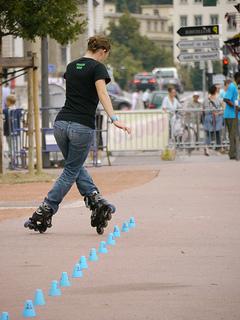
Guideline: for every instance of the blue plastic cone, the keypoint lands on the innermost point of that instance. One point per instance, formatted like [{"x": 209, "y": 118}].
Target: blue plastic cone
[
  {"x": 125, "y": 227},
  {"x": 64, "y": 281},
  {"x": 132, "y": 223},
  {"x": 93, "y": 255},
  {"x": 83, "y": 262},
  {"x": 55, "y": 290},
  {"x": 77, "y": 271},
  {"x": 116, "y": 232},
  {"x": 29, "y": 311},
  {"x": 102, "y": 247},
  {"x": 39, "y": 298},
  {"x": 4, "y": 316},
  {"x": 110, "y": 240}
]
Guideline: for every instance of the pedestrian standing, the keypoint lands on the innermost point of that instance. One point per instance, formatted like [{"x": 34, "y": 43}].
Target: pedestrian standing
[
  {"x": 192, "y": 113},
  {"x": 135, "y": 97},
  {"x": 8, "y": 124},
  {"x": 171, "y": 104},
  {"x": 86, "y": 80},
  {"x": 231, "y": 114},
  {"x": 145, "y": 98},
  {"x": 213, "y": 119}
]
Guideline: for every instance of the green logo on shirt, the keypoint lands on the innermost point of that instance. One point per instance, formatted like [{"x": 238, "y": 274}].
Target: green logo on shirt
[{"x": 80, "y": 66}]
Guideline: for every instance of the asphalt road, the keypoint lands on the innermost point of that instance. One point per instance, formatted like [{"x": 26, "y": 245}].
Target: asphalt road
[{"x": 181, "y": 262}]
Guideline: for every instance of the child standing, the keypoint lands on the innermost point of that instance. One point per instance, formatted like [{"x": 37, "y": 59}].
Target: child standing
[{"x": 7, "y": 125}]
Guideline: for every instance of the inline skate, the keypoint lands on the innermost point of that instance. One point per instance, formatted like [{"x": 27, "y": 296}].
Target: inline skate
[
  {"x": 41, "y": 219},
  {"x": 101, "y": 211}
]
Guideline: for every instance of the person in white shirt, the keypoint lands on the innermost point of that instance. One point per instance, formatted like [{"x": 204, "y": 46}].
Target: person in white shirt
[
  {"x": 135, "y": 96},
  {"x": 145, "y": 98},
  {"x": 170, "y": 102}
]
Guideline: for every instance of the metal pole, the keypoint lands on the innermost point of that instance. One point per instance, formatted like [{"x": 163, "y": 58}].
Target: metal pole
[
  {"x": 204, "y": 80},
  {"x": 30, "y": 122},
  {"x": 45, "y": 98},
  {"x": 1, "y": 117}
]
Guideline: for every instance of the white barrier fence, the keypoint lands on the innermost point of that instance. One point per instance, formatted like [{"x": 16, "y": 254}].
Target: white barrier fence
[{"x": 150, "y": 131}]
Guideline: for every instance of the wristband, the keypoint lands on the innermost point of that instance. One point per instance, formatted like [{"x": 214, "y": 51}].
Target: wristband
[{"x": 114, "y": 118}]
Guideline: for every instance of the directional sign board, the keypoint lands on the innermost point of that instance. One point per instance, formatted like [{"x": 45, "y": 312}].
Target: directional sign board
[
  {"x": 202, "y": 56},
  {"x": 199, "y": 30},
  {"x": 199, "y": 44}
]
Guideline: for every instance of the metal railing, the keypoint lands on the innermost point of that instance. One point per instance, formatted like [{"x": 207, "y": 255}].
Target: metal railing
[
  {"x": 196, "y": 128},
  {"x": 150, "y": 131}
]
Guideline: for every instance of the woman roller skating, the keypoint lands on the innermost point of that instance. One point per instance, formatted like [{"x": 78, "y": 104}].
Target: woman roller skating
[{"x": 86, "y": 80}]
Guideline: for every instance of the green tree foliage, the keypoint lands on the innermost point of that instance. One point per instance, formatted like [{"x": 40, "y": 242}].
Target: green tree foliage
[
  {"x": 124, "y": 64},
  {"x": 60, "y": 19},
  {"x": 142, "y": 50}
]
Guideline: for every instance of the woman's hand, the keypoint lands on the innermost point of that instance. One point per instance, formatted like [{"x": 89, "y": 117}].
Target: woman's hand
[{"x": 122, "y": 126}]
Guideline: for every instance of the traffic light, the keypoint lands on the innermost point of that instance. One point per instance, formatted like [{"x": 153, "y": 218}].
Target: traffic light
[{"x": 225, "y": 64}]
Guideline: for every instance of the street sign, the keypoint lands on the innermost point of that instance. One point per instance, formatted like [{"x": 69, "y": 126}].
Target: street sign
[
  {"x": 199, "y": 44},
  {"x": 199, "y": 30},
  {"x": 202, "y": 56}
]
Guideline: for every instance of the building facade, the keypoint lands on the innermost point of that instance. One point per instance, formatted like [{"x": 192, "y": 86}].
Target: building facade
[{"x": 155, "y": 22}]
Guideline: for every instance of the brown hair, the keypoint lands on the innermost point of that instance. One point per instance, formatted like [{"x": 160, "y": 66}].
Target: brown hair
[
  {"x": 212, "y": 90},
  {"x": 170, "y": 89},
  {"x": 98, "y": 42},
  {"x": 11, "y": 99}
]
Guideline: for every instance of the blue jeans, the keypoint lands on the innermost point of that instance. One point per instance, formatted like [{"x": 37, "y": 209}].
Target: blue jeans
[{"x": 74, "y": 141}]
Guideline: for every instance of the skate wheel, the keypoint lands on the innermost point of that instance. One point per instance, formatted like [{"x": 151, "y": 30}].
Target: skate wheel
[
  {"x": 105, "y": 224},
  {"x": 29, "y": 224},
  {"x": 26, "y": 224},
  {"x": 93, "y": 223},
  {"x": 100, "y": 230},
  {"x": 112, "y": 208},
  {"x": 109, "y": 216},
  {"x": 42, "y": 228}
]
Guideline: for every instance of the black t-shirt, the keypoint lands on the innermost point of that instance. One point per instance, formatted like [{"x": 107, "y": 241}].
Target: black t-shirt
[{"x": 81, "y": 94}]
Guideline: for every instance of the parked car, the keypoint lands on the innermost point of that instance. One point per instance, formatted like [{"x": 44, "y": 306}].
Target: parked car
[
  {"x": 114, "y": 88},
  {"x": 145, "y": 80},
  {"x": 156, "y": 99},
  {"x": 120, "y": 102}
]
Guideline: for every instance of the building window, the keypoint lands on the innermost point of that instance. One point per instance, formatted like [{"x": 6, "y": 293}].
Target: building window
[
  {"x": 231, "y": 22},
  {"x": 183, "y": 1},
  {"x": 213, "y": 19},
  {"x": 197, "y": 20},
  {"x": 183, "y": 21},
  {"x": 149, "y": 26},
  {"x": 197, "y": 1},
  {"x": 156, "y": 12},
  {"x": 155, "y": 26},
  {"x": 162, "y": 26}
]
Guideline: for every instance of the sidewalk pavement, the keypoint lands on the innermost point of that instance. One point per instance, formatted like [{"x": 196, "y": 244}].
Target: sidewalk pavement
[{"x": 181, "y": 262}]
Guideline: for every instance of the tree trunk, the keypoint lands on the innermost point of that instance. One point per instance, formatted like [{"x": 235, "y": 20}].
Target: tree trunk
[
  {"x": 1, "y": 116},
  {"x": 45, "y": 99}
]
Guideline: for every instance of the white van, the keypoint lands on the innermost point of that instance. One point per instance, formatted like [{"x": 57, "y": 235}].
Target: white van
[
  {"x": 168, "y": 77},
  {"x": 170, "y": 73}
]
